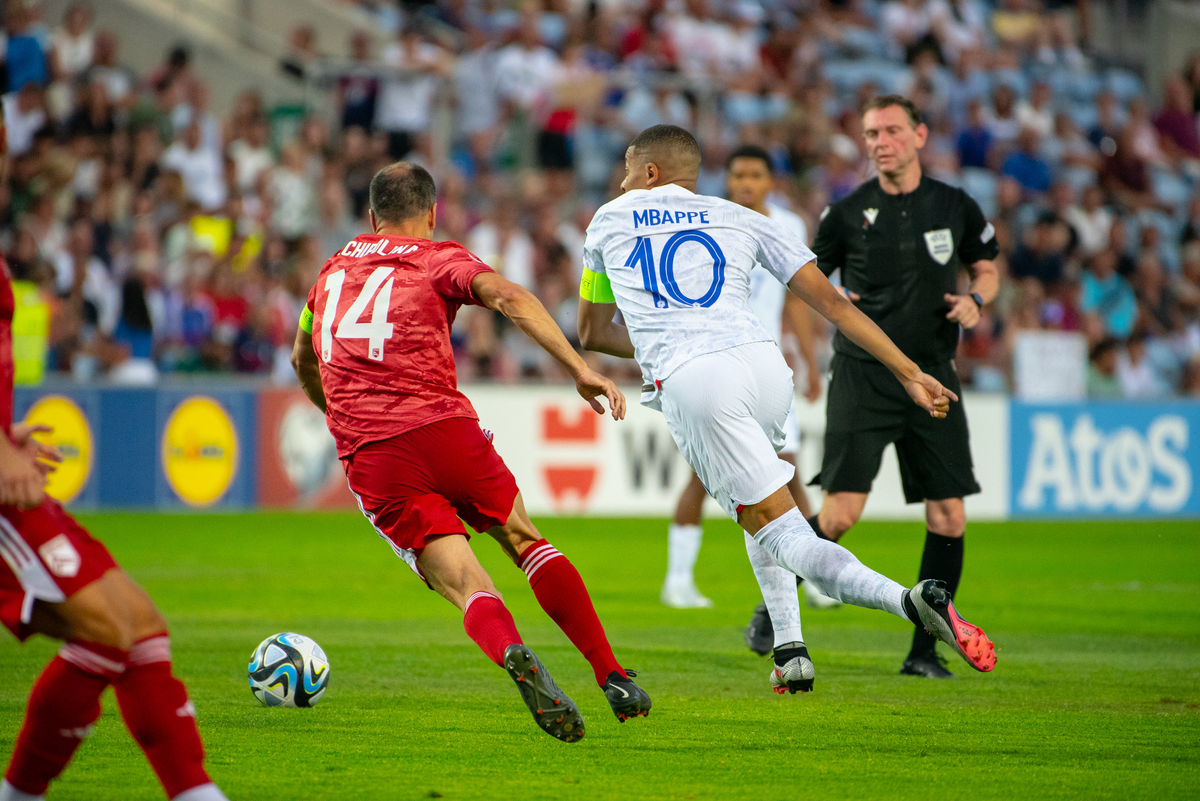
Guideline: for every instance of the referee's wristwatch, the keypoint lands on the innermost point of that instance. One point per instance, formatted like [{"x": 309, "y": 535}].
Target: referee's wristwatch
[{"x": 975, "y": 296}]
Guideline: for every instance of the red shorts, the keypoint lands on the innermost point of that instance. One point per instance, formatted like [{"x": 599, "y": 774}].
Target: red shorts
[
  {"x": 418, "y": 485},
  {"x": 44, "y": 554}
]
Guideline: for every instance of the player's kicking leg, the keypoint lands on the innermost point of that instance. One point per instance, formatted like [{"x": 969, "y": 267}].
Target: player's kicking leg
[
  {"x": 561, "y": 592},
  {"x": 684, "y": 536},
  {"x": 57, "y": 580},
  {"x": 777, "y": 525},
  {"x": 451, "y": 569}
]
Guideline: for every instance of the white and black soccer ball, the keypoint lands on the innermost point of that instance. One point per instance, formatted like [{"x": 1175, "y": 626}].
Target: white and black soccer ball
[{"x": 288, "y": 670}]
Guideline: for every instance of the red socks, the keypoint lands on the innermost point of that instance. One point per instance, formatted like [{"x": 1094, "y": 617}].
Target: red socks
[
  {"x": 63, "y": 706},
  {"x": 160, "y": 717},
  {"x": 560, "y": 590},
  {"x": 489, "y": 623}
]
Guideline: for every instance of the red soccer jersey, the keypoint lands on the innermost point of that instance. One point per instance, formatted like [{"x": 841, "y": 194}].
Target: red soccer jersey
[
  {"x": 382, "y": 310},
  {"x": 7, "y": 369}
]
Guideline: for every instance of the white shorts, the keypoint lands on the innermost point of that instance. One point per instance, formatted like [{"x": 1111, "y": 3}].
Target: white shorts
[
  {"x": 726, "y": 412},
  {"x": 791, "y": 431}
]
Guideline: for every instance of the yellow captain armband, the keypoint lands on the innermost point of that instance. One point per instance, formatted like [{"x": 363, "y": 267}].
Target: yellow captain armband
[
  {"x": 595, "y": 287},
  {"x": 306, "y": 320}
]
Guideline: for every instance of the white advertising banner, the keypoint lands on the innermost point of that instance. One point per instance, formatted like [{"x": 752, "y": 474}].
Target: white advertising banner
[{"x": 569, "y": 460}]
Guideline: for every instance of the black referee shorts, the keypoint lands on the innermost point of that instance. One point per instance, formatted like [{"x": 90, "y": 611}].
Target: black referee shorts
[{"x": 866, "y": 409}]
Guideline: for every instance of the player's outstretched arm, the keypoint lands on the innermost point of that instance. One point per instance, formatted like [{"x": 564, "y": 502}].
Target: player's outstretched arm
[
  {"x": 304, "y": 362},
  {"x": 598, "y": 332},
  {"x": 528, "y": 314},
  {"x": 811, "y": 286},
  {"x": 797, "y": 314}
]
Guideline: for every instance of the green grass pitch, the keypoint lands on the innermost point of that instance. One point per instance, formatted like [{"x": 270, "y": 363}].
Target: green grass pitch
[{"x": 1095, "y": 695}]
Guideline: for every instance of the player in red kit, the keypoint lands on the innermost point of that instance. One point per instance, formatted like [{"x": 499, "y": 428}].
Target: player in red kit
[
  {"x": 373, "y": 351},
  {"x": 56, "y": 580}
]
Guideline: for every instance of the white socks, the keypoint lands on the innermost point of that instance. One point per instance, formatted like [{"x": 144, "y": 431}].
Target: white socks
[
  {"x": 10, "y": 793},
  {"x": 683, "y": 546},
  {"x": 779, "y": 593},
  {"x": 205, "y": 792},
  {"x": 835, "y": 571}
]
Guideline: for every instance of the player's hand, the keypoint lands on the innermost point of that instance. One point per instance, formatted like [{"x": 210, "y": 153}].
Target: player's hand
[
  {"x": 963, "y": 310},
  {"x": 928, "y": 393},
  {"x": 813, "y": 392},
  {"x": 853, "y": 297},
  {"x": 22, "y": 482},
  {"x": 22, "y": 434},
  {"x": 591, "y": 385}
]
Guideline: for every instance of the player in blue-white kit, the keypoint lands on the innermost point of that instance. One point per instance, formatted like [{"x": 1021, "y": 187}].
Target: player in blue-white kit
[
  {"x": 678, "y": 267},
  {"x": 749, "y": 181}
]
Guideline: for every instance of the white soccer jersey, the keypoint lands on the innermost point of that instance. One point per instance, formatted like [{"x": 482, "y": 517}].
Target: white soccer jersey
[
  {"x": 766, "y": 294},
  {"x": 679, "y": 265}
]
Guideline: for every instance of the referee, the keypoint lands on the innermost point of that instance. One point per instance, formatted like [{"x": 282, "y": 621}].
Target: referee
[{"x": 900, "y": 241}]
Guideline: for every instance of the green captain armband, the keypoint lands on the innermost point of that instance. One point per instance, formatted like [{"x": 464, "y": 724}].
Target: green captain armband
[
  {"x": 595, "y": 287},
  {"x": 306, "y": 320}
]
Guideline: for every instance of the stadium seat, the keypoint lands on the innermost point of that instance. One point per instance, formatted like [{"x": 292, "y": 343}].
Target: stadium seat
[{"x": 1124, "y": 84}]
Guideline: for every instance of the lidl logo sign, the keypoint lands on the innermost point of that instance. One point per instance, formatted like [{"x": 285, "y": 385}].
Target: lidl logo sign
[
  {"x": 72, "y": 436},
  {"x": 199, "y": 451},
  {"x": 1105, "y": 460}
]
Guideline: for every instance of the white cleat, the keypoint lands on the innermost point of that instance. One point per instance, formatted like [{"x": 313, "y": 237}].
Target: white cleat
[
  {"x": 815, "y": 599},
  {"x": 684, "y": 596}
]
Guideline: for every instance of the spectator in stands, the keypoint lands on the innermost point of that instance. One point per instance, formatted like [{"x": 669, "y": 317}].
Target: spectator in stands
[
  {"x": 1107, "y": 301},
  {"x": 1176, "y": 123},
  {"x": 405, "y": 100},
  {"x": 975, "y": 140},
  {"x": 200, "y": 167},
  {"x": 1102, "y": 381},
  {"x": 1037, "y": 113},
  {"x": 24, "y": 116},
  {"x": 1002, "y": 120},
  {"x": 1025, "y": 164},
  {"x": 24, "y": 59},
  {"x": 1092, "y": 221},
  {"x": 301, "y": 51},
  {"x": 357, "y": 86},
  {"x": 1041, "y": 257}
]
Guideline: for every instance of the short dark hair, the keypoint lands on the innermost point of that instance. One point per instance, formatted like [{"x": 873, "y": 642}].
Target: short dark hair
[
  {"x": 751, "y": 152},
  {"x": 881, "y": 102},
  {"x": 669, "y": 138},
  {"x": 402, "y": 191}
]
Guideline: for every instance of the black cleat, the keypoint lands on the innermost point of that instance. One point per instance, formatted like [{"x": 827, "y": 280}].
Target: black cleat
[
  {"x": 930, "y": 665},
  {"x": 626, "y": 698},
  {"x": 552, "y": 710},
  {"x": 760, "y": 633},
  {"x": 941, "y": 619},
  {"x": 793, "y": 671}
]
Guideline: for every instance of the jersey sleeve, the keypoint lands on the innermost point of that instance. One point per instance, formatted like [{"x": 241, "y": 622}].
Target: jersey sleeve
[
  {"x": 780, "y": 251},
  {"x": 593, "y": 250},
  {"x": 979, "y": 237},
  {"x": 829, "y": 246},
  {"x": 451, "y": 273}
]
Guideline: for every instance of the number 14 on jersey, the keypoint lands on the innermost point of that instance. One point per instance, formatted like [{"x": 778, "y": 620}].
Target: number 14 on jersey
[{"x": 377, "y": 332}]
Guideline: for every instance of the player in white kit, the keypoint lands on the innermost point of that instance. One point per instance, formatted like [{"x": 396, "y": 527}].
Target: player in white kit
[
  {"x": 678, "y": 266},
  {"x": 748, "y": 182}
]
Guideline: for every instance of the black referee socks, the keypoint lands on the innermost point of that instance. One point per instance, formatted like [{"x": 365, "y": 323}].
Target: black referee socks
[{"x": 942, "y": 559}]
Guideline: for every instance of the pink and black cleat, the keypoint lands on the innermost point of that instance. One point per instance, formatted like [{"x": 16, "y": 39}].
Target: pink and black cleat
[{"x": 942, "y": 620}]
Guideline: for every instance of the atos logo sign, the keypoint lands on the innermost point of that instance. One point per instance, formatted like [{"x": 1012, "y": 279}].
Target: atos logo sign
[{"x": 1118, "y": 460}]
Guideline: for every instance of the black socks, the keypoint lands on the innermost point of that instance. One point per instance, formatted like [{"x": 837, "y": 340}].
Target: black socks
[{"x": 943, "y": 560}]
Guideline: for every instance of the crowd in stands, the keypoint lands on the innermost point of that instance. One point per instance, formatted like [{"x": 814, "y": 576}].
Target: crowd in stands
[{"x": 166, "y": 237}]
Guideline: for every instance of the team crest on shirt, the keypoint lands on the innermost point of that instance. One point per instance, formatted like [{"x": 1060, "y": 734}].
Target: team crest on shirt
[
  {"x": 60, "y": 556},
  {"x": 940, "y": 244},
  {"x": 870, "y": 214}
]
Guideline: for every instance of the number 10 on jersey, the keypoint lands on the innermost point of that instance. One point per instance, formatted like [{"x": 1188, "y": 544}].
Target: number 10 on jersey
[
  {"x": 643, "y": 257},
  {"x": 377, "y": 332}
]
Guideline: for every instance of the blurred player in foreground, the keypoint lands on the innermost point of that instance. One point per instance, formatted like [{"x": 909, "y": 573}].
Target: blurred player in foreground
[
  {"x": 373, "y": 352},
  {"x": 678, "y": 266},
  {"x": 57, "y": 580},
  {"x": 749, "y": 181}
]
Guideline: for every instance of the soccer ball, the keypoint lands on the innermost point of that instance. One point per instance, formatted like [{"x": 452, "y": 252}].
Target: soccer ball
[{"x": 288, "y": 670}]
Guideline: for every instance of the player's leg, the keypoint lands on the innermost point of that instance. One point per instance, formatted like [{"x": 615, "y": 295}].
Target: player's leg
[
  {"x": 451, "y": 570},
  {"x": 561, "y": 592},
  {"x": 684, "y": 536},
  {"x": 935, "y": 466},
  {"x": 112, "y": 634},
  {"x": 726, "y": 412}
]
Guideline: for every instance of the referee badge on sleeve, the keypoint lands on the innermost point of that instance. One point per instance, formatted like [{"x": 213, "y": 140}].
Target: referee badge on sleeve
[{"x": 940, "y": 244}]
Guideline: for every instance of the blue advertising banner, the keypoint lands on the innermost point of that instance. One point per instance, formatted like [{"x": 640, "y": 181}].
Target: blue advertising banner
[{"x": 1105, "y": 459}]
